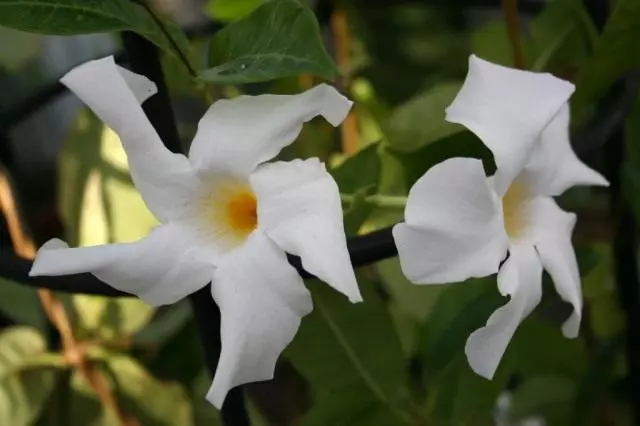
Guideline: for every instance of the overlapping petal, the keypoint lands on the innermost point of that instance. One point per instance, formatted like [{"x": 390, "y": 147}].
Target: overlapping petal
[
  {"x": 453, "y": 228},
  {"x": 235, "y": 135},
  {"x": 164, "y": 179},
  {"x": 551, "y": 234},
  {"x": 521, "y": 274},
  {"x": 553, "y": 166},
  {"x": 507, "y": 109},
  {"x": 161, "y": 268},
  {"x": 262, "y": 300},
  {"x": 299, "y": 208}
]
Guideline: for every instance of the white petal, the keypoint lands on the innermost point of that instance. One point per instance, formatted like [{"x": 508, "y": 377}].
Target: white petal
[
  {"x": 522, "y": 275},
  {"x": 507, "y": 109},
  {"x": 161, "y": 268},
  {"x": 299, "y": 208},
  {"x": 453, "y": 228},
  {"x": 553, "y": 166},
  {"x": 114, "y": 94},
  {"x": 262, "y": 299},
  {"x": 551, "y": 233},
  {"x": 235, "y": 135}
]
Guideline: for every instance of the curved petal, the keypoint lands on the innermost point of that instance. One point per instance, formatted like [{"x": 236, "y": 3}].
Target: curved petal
[
  {"x": 162, "y": 268},
  {"x": 235, "y": 135},
  {"x": 454, "y": 228},
  {"x": 553, "y": 166},
  {"x": 521, "y": 275},
  {"x": 507, "y": 109},
  {"x": 299, "y": 208},
  {"x": 262, "y": 300},
  {"x": 551, "y": 232},
  {"x": 164, "y": 179}
]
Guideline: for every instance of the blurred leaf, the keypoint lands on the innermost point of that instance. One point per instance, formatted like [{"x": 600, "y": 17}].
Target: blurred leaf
[
  {"x": 166, "y": 323},
  {"x": 17, "y": 48},
  {"x": 351, "y": 356},
  {"x": 415, "y": 300},
  {"x": 491, "y": 43},
  {"x": 612, "y": 56},
  {"x": 545, "y": 397},
  {"x": 280, "y": 38},
  {"x": 420, "y": 121},
  {"x": 230, "y": 10},
  {"x": 149, "y": 400},
  {"x": 358, "y": 210},
  {"x": 100, "y": 205},
  {"x": 25, "y": 384},
  {"x": 68, "y": 17},
  {"x": 203, "y": 412},
  {"x": 21, "y": 304},
  {"x": 461, "y": 309},
  {"x": 464, "y": 144}
]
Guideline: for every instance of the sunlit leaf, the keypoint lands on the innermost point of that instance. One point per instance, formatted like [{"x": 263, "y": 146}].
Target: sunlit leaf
[
  {"x": 231, "y": 10},
  {"x": 281, "y": 38},
  {"x": 21, "y": 304}
]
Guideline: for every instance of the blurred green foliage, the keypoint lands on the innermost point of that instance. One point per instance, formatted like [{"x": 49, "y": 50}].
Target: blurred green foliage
[{"x": 399, "y": 357}]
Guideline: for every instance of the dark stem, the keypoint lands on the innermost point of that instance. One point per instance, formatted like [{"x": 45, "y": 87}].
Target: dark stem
[
  {"x": 510, "y": 12},
  {"x": 144, "y": 59}
]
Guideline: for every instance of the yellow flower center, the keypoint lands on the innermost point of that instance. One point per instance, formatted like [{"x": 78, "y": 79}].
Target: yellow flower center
[
  {"x": 513, "y": 208},
  {"x": 229, "y": 211},
  {"x": 242, "y": 213}
]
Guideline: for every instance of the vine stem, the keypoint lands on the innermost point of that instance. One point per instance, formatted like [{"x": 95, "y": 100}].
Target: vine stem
[
  {"x": 378, "y": 199},
  {"x": 510, "y": 11}
]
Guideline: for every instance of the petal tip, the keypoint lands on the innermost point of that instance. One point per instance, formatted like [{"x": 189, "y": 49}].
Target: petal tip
[{"x": 335, "y": 106}]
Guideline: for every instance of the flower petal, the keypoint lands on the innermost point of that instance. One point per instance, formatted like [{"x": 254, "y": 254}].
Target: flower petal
[
  {"x": 262, "y": 300},
  {"x": 299, "y": 208},
  {"x": 453, "y": 228},
  {"x": 164, "y": 179},
  {"x": 507, "y": 109},
  {"x": 551, "y": 233},
  {"x": 235, "y": 135},
  {"x": 162, "y": 268},
  {"x": 554, "y": 167},
  {"x": 522, "y": 275}
]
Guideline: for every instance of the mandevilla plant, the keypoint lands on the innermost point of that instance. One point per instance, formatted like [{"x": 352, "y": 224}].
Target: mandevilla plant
[{"x": 276, "y": 252}]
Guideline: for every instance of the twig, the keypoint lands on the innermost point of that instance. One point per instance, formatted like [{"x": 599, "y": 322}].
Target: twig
[{"x": 510, "y": 11}]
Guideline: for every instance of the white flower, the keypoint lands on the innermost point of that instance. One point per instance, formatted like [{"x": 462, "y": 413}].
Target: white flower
[
  {"x": 459, "y": 223},
  {"x": 226, "y": 217}
]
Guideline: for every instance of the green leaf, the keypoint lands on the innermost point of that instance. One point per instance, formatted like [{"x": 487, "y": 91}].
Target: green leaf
[
  {"x": 68, "y": 17},
  {"x": 166, "y": 323},
  {"x": 351, "y": 356},
  {"x": 230, "y": 10},
  {"x": 21, "y": 304},
  {"x": 461, "y": 309},
  {"x": 612, "y": 57},
  {"x": 25, "y": 380},
  {"x": 420, "y": 121},
  {"x": 281, "y": 38},
  {"x": 148, "y": 399}
]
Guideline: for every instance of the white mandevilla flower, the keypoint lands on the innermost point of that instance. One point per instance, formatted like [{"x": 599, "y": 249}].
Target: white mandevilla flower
[
  {"x": 459, "y": 223},
  {"x": 226, "y": 217}
]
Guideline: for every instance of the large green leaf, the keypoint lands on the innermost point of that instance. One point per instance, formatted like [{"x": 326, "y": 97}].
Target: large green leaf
[
  {"x": 613, "y": 55},
  {"x": 25, "y": 380},
  {"x": 544, "y": 397},
  {"x": 67, "y": 17},
  {"x": 420, "y": 121},
  {"x": 281, "y": 38},
  {"x": 351, "y": 356}
]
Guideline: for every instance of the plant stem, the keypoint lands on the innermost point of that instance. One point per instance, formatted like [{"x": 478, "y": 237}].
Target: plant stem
[
  {"x": 510, "y": 11},
  {"x": 379, "y": 200}
]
